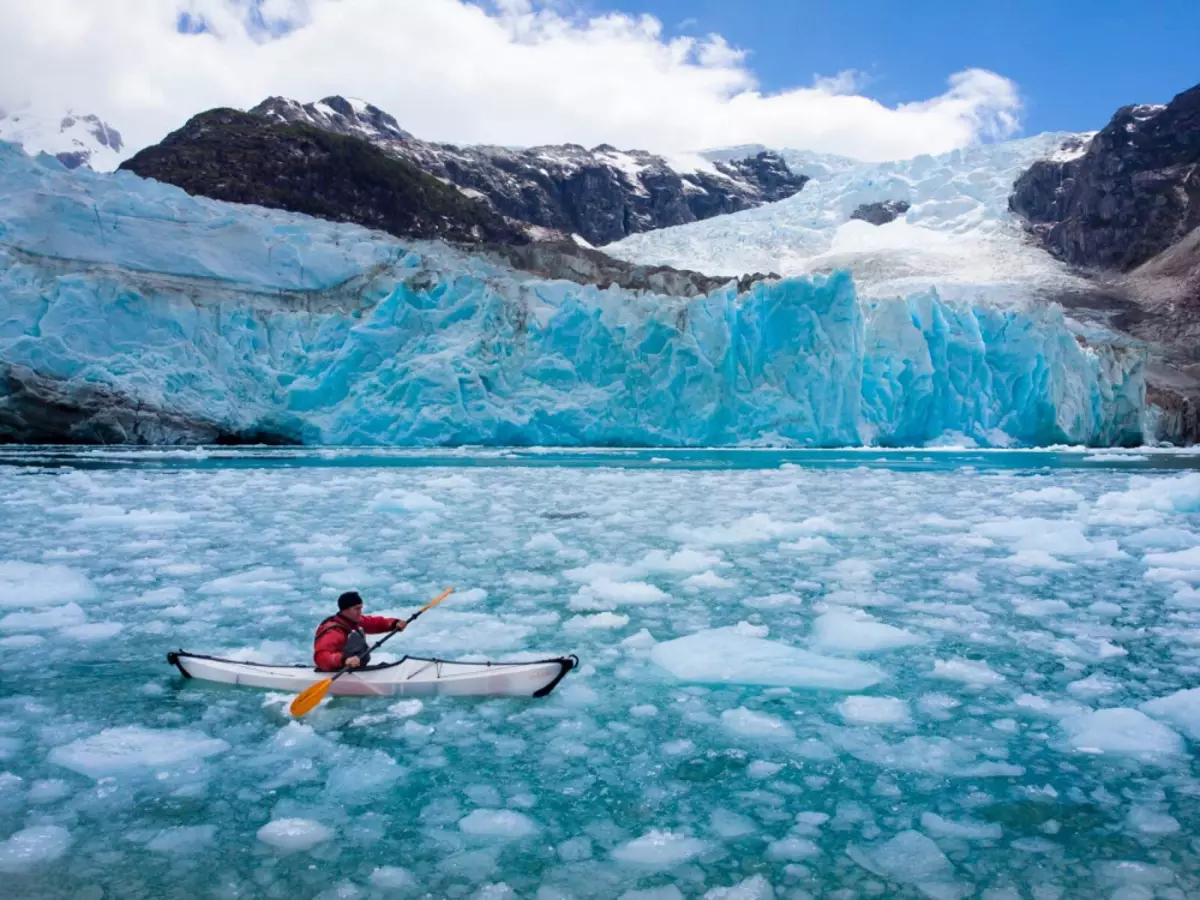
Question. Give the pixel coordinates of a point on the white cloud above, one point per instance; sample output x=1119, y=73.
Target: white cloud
x=517, y=72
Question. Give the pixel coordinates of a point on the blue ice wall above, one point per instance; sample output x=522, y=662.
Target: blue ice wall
x=256, y=320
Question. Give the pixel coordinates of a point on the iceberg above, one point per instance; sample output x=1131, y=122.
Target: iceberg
x=133, y=312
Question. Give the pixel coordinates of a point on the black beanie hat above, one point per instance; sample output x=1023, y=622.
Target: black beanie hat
x=349, y=599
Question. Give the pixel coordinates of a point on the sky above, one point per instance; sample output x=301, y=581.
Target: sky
x=871, y=79
x=1075, y=61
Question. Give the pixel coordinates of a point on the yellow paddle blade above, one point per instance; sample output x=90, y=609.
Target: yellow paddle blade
x=306, y=701
x=436, y=600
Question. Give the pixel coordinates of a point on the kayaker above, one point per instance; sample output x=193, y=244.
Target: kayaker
x=341, y=639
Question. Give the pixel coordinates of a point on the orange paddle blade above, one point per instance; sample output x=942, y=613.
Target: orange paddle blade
x=306, y=701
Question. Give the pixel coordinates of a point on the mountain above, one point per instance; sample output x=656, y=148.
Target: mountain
x=74, y=139
x=602, y=194
x=1132, y=192
x=231, y=155
x=226, y=154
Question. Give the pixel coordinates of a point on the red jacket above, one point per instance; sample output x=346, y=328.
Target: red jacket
x=332, y=633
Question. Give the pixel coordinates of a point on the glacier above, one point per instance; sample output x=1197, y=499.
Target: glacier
x=133, y=312
x=957, y=236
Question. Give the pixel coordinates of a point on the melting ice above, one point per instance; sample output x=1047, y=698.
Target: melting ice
x=917, y=705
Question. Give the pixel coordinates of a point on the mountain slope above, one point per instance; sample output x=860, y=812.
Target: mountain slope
x=230, y=155
x=75, y=140
x=1133, y=193
x=602, y=194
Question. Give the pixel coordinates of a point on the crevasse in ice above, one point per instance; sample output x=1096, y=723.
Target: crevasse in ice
x=261, y=321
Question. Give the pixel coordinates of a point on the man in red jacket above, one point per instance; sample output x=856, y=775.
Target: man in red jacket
x=340, y=639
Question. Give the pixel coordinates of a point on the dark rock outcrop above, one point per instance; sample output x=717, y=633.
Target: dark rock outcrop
x=602, y=194
x=881, y=213
x=35, y=409
x=1133, y=194
x=566, y=260
x=230, y=155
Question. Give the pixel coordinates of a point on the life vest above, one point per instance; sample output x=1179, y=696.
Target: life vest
x=356, y=639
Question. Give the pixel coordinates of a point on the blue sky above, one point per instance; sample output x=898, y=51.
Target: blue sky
x=1076, y=61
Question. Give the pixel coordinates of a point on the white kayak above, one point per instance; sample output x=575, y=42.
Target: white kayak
x=411, y=676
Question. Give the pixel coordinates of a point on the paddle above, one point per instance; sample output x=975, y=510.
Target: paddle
x=308, y=699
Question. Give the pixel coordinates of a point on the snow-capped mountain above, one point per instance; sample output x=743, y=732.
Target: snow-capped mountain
x=602, y=194
x=75, y=139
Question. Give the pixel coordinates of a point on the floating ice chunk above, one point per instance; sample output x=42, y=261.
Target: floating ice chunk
x=1181, y=494
x=497, y=823
x=1181, y=709
x=137, y=519
x=182, y=839
x=132, y=749
x=1122, y=731
x=968, y=671
x=603, y=593
x=24, y=585
x=1056, y=709
x=967, y=582
x=92, y=631
x=532, y=581
x=643, y=640
x=252, y=583
x=749, y=724
x=644, y=711
x=291, y=835
x=756, y=887
x=683, y=562
x=1169, y=538
x=659, y=850
x=1133, y=873
x=393, y=878
x=745, y=629
x=33, y=846
x=575, y=849
x=854, y=631
x=772, y=601
x=818, y=544
x=752, y=529
x=1095, y=685
x=1146, y=820
x=667, y=892
x=729, y=825
x=909, y=858
x=1057, y=496
x=600, y=620
x=760, y=769
x=1040, y=608
x=962, y=828
x=546, y=541
x=49, y=790
x=405, y=501
x=709, y=581
x=722, y=656
x=792, y=849
x=47, y=620
x=864, y=710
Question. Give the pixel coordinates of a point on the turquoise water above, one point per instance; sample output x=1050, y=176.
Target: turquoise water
x=827, y=674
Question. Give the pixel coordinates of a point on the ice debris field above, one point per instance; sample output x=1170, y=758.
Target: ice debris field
x=212, y=319
x=958, y=680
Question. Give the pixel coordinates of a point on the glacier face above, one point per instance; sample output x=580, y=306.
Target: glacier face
x=202, y=320
x=957, y=236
